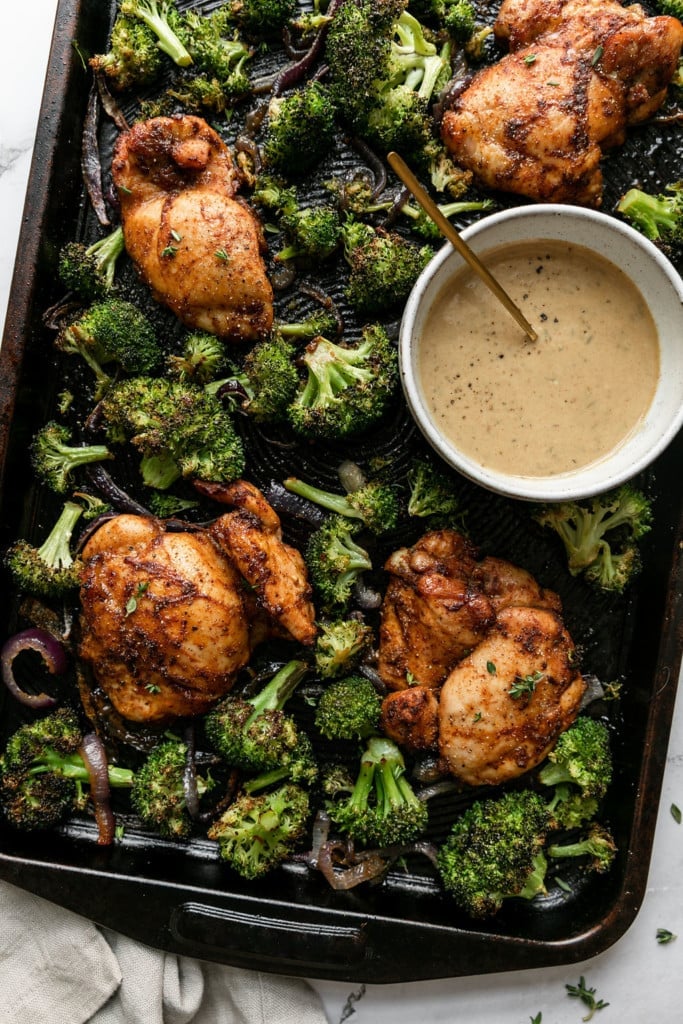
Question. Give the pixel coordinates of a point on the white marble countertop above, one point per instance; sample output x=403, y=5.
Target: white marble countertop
x=639, y=978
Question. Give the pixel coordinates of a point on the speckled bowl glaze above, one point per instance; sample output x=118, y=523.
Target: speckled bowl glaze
x=659, y=283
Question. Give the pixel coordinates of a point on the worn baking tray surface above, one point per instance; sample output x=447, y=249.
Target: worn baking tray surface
x=179, y=896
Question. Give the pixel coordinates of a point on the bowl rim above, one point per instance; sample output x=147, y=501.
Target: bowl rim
x=604, y=474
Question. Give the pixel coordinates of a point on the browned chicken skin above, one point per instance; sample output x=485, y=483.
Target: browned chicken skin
x=198, y=248
x=167, y=621
x=452, y=673
x=441, y=602
x=578, y=73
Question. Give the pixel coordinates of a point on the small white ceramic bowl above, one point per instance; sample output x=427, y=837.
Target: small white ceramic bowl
x=658, y=282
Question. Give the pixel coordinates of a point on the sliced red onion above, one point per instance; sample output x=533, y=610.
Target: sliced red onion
x=93, y=753
x=91, y=165
x=367, y=598
x=110, y=105
x=351, y=476
x=50, y=650
x=190, y=791
x=371, y=866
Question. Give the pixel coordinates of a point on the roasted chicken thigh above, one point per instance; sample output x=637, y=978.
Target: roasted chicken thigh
x=198, y=247
x=168, y=619
x=578, y=73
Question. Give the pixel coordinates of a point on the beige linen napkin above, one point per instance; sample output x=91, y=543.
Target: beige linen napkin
x=58, y=968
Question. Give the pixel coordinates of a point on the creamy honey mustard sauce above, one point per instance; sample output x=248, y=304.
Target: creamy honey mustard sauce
x=549, y=406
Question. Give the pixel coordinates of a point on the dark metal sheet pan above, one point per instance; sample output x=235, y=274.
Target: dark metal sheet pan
x=179, y=897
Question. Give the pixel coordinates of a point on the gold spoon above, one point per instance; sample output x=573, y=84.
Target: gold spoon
x=400, y=167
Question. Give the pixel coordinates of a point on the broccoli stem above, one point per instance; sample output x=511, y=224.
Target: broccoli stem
x=277, y=692
x=553, y=774
x=72, y=766
x=155, y=15
x=56, y=551
x=106, y=251
x=334, y=502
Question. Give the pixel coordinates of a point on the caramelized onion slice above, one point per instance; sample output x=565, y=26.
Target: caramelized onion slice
x=50, y=650
x=93, y=753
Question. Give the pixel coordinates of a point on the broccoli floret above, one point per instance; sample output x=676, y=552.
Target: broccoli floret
x=423, y=225
x=199, y=93
x=262, y=19
x=275, y=195
x=42, y=775
x=271, y=379
x=300, y=129
x=336, y=781
x=166, y=505
x=432, y=492
x=672, y=8
x=659, y=217
x=383, y=266
x=54, y=458
x=254, y=733
x=309, y=22
x=257, y=832
x=112, y=331
x=314, y=233
x=216, y=48
x=133, y=58
x=158, y=793
x=89, y=270
x=340, y=645
x=180, y=429
x=203, y=358
x=348, y=709
x=444, y=174
x=495, y=851
x=49, y=571
x=475, y=46
x=459, y=18
x=595, y=534
x=598, y=844
x=335, y=560
x=161, y=16
x=383, y=808
x=94, y=507
x=383, y=72
x=348, y=387
x=375, y=504
x=581, y=762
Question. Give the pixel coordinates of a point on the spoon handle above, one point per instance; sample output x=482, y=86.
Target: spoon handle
x=402, y=170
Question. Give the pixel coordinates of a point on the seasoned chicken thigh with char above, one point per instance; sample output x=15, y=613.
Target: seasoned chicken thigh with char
x=198, y=247
x=167, y=618
x=503, y=706
x=578, y=73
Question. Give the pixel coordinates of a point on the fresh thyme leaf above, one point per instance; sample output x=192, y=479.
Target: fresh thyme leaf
x=664, y=936
x=153, y=688
x=565, y=886
x=169, y=251
x=587, y=997
x=132, y=603
x=537, y=1019
x=491, y=668
x=525, y=684
x=676, y=813
x=597, y=54
x=176, y=237
x=530, y=59
x=477, y=717
x=222, y=254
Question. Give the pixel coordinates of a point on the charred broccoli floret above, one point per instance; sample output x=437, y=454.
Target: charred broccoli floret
x=444, y=174
x=165, y=505
x=179, y=428
x=158, y=792
x=257, y=832
x=383, y=266
x=348, y=387
x=600, y=536
x=340, y=645
x=375, y=504
x=112, y=331
x=89, y=269
x=203, y=358
x=262, y=19
x=580, y=770
x=383, y=72
x=495, y=851
x=42, y=775
x=598, y=844
x=133, y=58
x=335, y=560
x=659, y=217
x=215, y=46
x=383, y=808
x=50, y=570
x=314, y=233
x=271, y=378
x=432, y=493
x=254, y=733
x=300, y=130
x=348, y=709
x=55, y=459
x=162, y=18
